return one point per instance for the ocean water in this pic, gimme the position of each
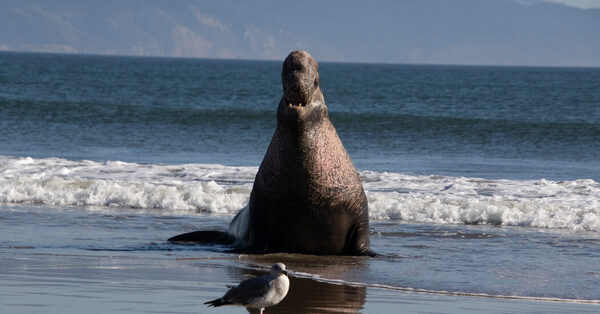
(481, 181)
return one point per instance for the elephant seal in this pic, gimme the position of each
(307, 196)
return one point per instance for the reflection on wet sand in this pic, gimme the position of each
(308, 295)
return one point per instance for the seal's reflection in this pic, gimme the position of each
(311, 296)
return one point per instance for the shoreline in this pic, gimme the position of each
(122, 282)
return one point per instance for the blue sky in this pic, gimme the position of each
(488, 32)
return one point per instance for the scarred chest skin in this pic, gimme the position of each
(307, 196)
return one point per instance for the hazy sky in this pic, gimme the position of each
(490, 32)
(585, 4)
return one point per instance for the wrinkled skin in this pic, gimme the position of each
(307, 196)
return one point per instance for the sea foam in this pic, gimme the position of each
(217, 189)
(180, 189)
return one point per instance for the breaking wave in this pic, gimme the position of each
(217, 189)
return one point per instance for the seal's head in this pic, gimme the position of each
(302, 96)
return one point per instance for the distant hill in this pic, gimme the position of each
(499, 32)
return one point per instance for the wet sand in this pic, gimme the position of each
(34, 281)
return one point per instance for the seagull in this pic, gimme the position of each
(258, 292)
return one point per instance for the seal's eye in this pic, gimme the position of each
(316, 82)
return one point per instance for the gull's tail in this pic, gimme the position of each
(217, 302)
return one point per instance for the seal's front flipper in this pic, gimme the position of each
(203, 237)
(358, 241)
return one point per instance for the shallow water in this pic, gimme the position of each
(450, 260)
(119, 283)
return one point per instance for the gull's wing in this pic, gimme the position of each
(249, 289)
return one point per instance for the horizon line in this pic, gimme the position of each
(84, 54)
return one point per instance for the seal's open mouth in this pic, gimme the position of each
(296, 98)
